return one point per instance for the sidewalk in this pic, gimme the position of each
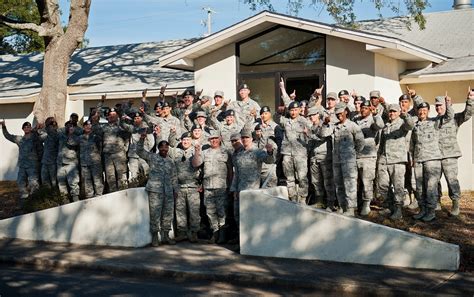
(187, 261)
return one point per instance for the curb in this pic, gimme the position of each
(358, 289)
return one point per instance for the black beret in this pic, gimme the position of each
(404, 97)
(264, 109)
(293, 104)
(230, 112)
(423, 105)
(243, 86)
(365, 103)
(186, 135)
(342, 93)
(188, 92)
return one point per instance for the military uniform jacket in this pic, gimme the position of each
(247, 168)
(28, 148)
(243, 109)
(114, 137)
(89, 149)
(370, 126)
(49, 137)
(225, 130)
(216, 167)
(149, 141)
(295, 141)
(347, 140)
(162, 177)
(68, 149)
(188, 176)
(320, 147)
(393, 145)
(448, 130)
(271, 130)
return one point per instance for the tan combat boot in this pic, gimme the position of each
(365, 208)
(155, 239)
(455, 208)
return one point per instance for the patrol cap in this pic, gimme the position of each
(404, 97)
(244, 86)
(25, 124)
(365, 103)
(331, 95)
(213, 134)
(201, 114)
(313, 111)
(440, 100)
(342, 93)
(205, 98)
(230, 112)
(246, 133)
(235, 136)
(264, 109)
(293, 104)
(188, 93)
(219, 93)
(186, 135)
(340, 107)
(423, 105)
(374, 94)
(394, 107)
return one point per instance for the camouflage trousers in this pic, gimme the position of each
(322, 179)
(92, 180)
(27, 181)
(268, 174)
(137, 167)
(161, 211)
(295, 169)
(49, 173)
(427, 175)
(366, 176)
(345, 178)
(68, 175)
(215, 200)
(116, 171)
(391, 174)
(449, 167)
(187, 206)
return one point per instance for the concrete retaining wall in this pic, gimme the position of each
(274, 227)
(116, 219)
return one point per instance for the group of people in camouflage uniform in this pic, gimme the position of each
(199, 152)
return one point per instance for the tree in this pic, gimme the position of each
(59, 46)
(342, 11)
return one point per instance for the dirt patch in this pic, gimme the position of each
(458, 230)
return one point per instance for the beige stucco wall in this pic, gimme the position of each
(15, 115)
(217, 71)
(387, 72)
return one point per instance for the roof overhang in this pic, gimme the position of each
(182, 58)
(438, 77)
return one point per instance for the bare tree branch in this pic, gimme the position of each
(23, 26)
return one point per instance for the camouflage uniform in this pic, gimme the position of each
(68, 163)
(188, 195)
(392, 157)
(267, 172)
(295, 157)
(49, 137)
(28, 161)
(225, 130)
(161, 186)
(367, 159)
(216, 167)
(243, 109)
(114, 145)
(91, 164)
(347, 141)
(136, 165)
(450, 151)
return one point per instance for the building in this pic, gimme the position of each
(380, 55)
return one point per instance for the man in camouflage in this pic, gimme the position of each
(91, 161)
(68, 162)
(49, 137)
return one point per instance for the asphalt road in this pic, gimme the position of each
(26, 282)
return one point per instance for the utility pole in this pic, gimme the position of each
(208, 23)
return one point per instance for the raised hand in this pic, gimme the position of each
(103, 97)
(318, 92)
(162, 89)
(293, 95)
(281, 83)
(411, 92)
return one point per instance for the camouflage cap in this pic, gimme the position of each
(201, 114)
(206, 98)
(374, 94)
(394, 107)
(331, 95)
(340, 108)
(245, 133)
(440, 100)
(235, 136)
(219, 93)
(214, 134)
(313, 111)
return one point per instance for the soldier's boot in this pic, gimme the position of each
(406, 199)
(365, 208)
(155, 239)
(429, 216)
(438, 205)
(180, 236)
(420, 214)
(397, 213)
(165, 238)
(455, 208)
(215, 237)
(340, 210)
(193, 237)
(350, 212)
(330, 206)
(221, 237)
(413, 204)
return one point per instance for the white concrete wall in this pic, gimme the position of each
(274, 227)
(217, 71)
(386, 80)
(116, 219)
(15, 115)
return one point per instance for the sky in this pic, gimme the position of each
(113, 22)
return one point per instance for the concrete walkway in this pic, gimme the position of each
(186, 261)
